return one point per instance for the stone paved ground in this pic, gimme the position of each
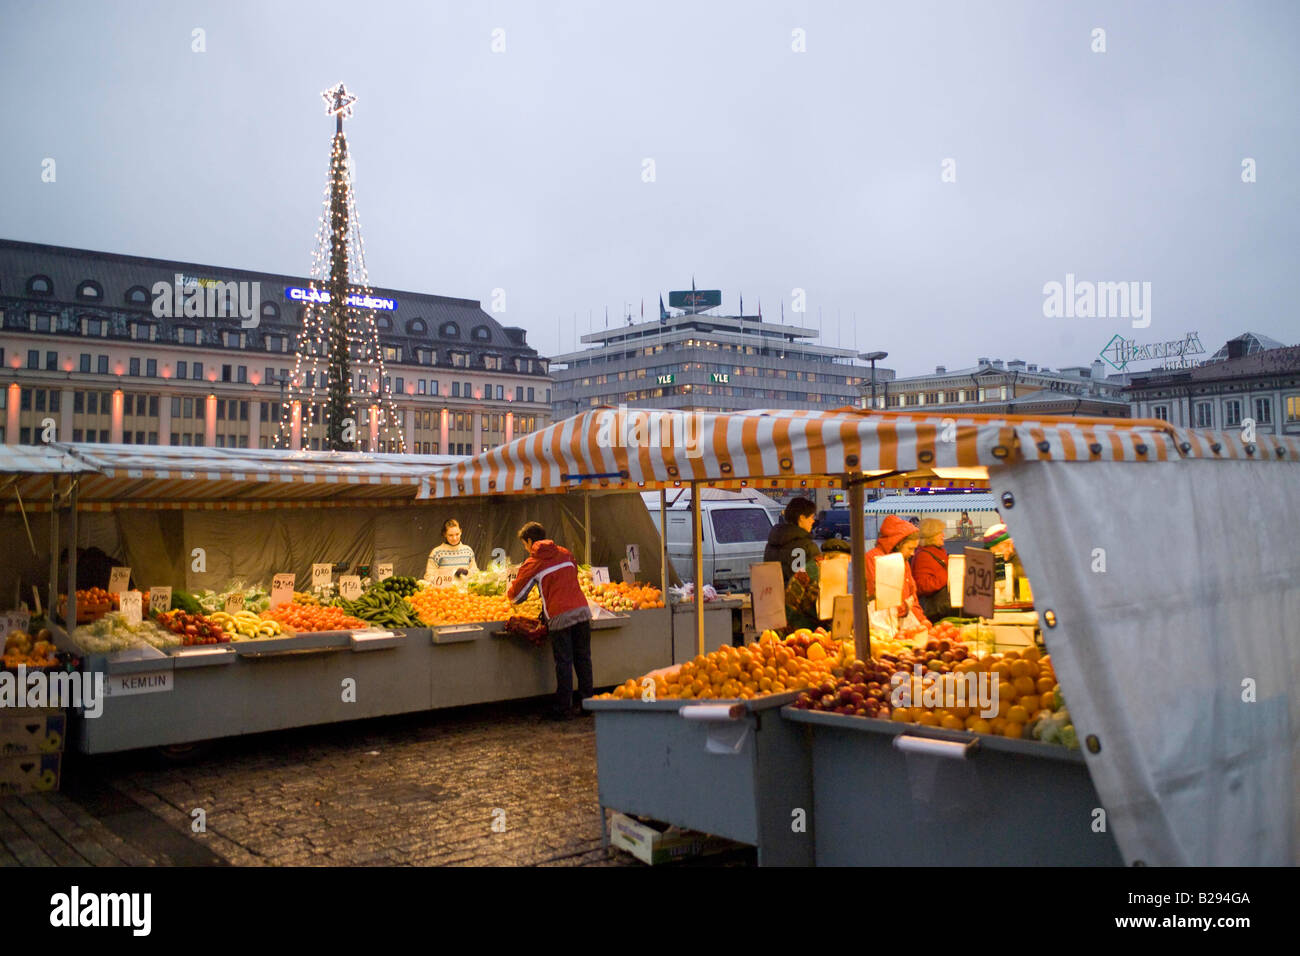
(415, 790)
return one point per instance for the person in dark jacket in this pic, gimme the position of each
(930, 571)
(552, 570)
(790, 542)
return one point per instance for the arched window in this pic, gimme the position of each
(270, 311)
(449, 330)
(482, 333)
(384, 323)
(416, 326)
(40, 285)
(137, 295)
(90, 289)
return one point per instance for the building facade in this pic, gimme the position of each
(994, 387)
(1262, 385)
(708, 363)
(86, 356)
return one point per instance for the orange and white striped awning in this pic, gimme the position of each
(640, 449)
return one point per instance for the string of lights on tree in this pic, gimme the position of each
(336, 335)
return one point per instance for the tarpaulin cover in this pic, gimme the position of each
(1176, 591)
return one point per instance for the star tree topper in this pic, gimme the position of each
(338, 103)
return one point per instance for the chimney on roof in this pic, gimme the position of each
(1098, 370)
(939, 370)
(983, 361)
(1031, 367)
(997, 363)
(517, 336)
(1016, 365)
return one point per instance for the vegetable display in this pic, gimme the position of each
(246, 626)
(256, 599)
(301, 617)
(385, 607)
(112, 633)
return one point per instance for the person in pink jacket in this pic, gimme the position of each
(896, 535)
(554, 572)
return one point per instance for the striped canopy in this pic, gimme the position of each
(165, 476)
(640, 449)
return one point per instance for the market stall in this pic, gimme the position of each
(219, 525)
(1169, 643)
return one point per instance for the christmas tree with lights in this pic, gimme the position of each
(338, 329)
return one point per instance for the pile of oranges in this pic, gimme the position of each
(1026, 689)
(438, 606)
(742, 673)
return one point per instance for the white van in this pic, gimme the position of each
(736, 526)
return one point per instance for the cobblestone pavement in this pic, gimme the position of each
(415, 790)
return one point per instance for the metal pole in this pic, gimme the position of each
(857, 533)
(663, 544)
(52, 601)
(697, 543)
(70, 616)
(586, 526)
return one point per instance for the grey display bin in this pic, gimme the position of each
(969, 801)
(742, 779)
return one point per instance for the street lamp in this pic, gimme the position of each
(873, 358)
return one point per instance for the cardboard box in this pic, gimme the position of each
(30, 774)
(32, 730)
(656, 843)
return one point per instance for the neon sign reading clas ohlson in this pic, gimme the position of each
(354, 300)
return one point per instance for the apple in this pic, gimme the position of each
(947, 657)
(828, 702)
(931, 645)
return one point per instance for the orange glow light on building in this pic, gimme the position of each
(115, 435)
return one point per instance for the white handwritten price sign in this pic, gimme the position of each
(384, 571)
(977, 585)
(119, 579)
(842, 618)
(281, 589)
(443, 578)
(512, 575)
(629, 576)
(20, 620)
(600, 575)
(234, 603)
(131, 606)
(634, 557)
(322, 575)
(160, 599)
(767, 584)
(349, 587)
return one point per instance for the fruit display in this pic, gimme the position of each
(247, 626)
(307, 599)
(803, 660)
(302, 617)
(192, 628)
(255, 599)
(112, 633)
(381, 606)
(487, 582)
(439, 606)
(401, 585)
(92, 604)
(624, 597)
(529, 628)
(184, 601)
(21, 648)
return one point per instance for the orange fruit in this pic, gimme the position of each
(1021, 668)
(1023, 686)
(765, 684)
(1004, 705)
(900, 714)
(997, 724)
(1047, 700)
(1017, 714)
(1044, 684)
(1002, 669)
(1013, 730)
(952, 722)
(980, 726)
(1011, 656)
(927, 718)
(1032, 653)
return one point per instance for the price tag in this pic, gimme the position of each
(512, 575)
(349, 587)
(20, 620)
(443, 578)
(600, 575)
(119, 579)
(322, 575)
(629, 576)
(768, 587)
(634, 557)
(131, 601)
(385, 572)
(977, 584)
(234, 603)
(160, 599)
(842, 618)
(281, 589)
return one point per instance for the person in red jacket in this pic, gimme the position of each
(902, 537)
(552, 570)
(930, 571)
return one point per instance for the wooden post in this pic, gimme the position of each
(857, 532)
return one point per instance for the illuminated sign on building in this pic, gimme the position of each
(665, 379)
(720, 378)
(356, 301)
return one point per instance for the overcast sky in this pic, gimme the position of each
(774, 169)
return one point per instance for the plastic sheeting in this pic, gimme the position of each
(1176, 589)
